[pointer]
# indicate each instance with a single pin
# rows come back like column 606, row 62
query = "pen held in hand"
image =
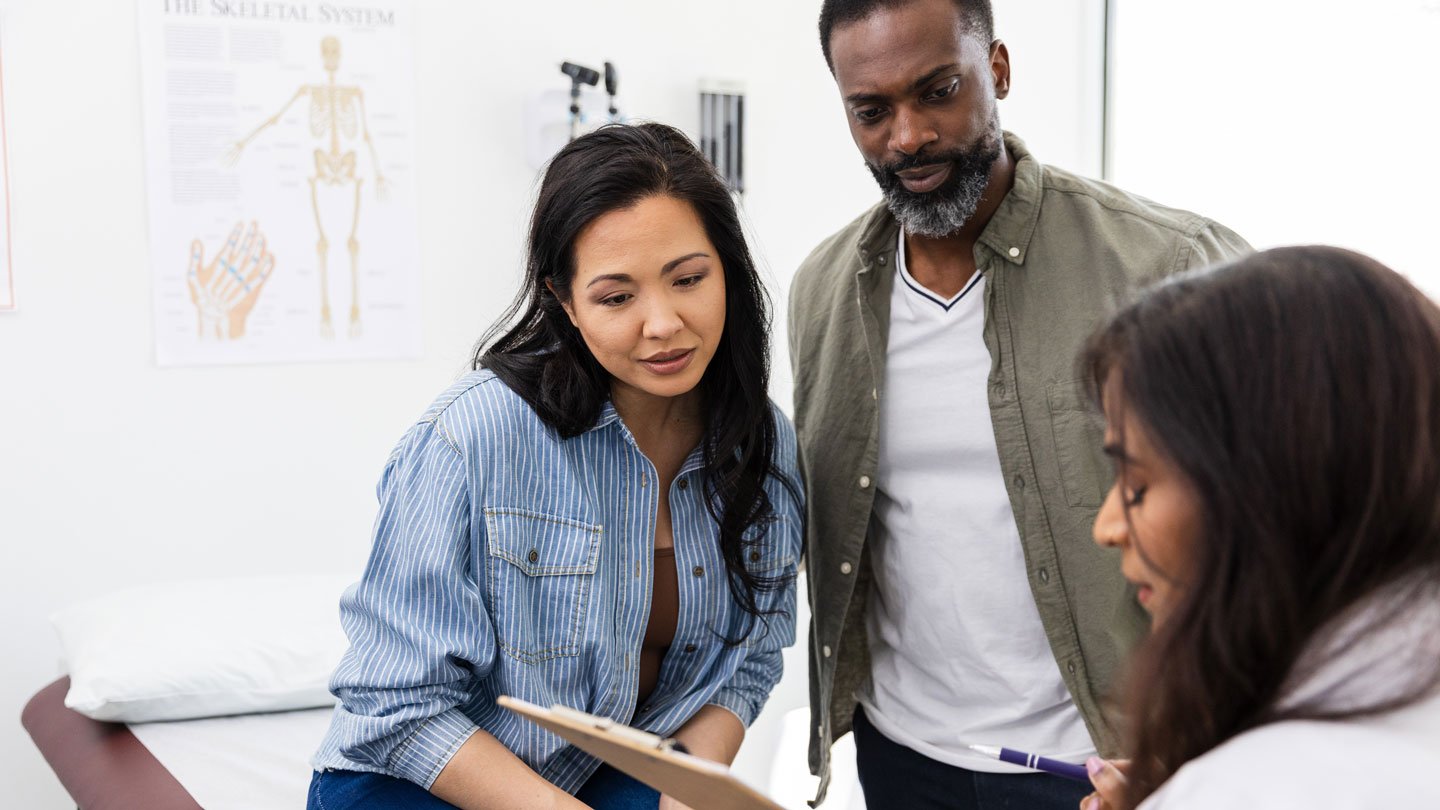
column 1068, row 770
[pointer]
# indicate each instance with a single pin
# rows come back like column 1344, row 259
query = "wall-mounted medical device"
column 579, row 75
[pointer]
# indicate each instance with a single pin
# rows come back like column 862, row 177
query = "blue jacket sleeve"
column 419, row 633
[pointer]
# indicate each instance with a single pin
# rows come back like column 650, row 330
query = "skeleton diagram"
column 337, row 112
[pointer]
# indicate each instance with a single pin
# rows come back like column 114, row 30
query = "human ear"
column 568, row 306
column 1000, row 68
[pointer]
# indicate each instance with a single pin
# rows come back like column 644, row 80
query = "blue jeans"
column 608, row 789
column 892, row 775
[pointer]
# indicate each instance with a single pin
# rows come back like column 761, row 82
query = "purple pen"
column 1069, row 770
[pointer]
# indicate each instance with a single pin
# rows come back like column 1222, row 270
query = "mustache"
column 920, row 160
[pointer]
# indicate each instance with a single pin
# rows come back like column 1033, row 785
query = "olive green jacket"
column 1060, row 254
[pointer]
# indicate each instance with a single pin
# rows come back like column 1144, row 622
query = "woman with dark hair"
column 1276, row 429
column 604, row 514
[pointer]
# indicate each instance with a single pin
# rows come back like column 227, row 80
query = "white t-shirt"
column 958, row 653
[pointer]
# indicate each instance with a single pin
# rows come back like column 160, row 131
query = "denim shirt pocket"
column 540, row 578
column 1078, row 436
column 766, row 553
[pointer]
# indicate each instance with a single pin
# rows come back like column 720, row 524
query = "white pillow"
column 192, row 649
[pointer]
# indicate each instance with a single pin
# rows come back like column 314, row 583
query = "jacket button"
column 1071, row 667
column 864, row 482
column 825, row 651
column 754, row 556
column 1044, row 575
column 683, row 484
column 1014, row 253
column 846, row 568
column 644, row 481
column 881, row 260
column 534, row 555
column 699, row 571
column 689, row 648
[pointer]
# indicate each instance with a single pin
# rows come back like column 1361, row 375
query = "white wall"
column 115, row 472
column 1291, row 121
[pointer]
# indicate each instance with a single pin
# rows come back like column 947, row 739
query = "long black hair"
column 1298, row 392
column 536, row 350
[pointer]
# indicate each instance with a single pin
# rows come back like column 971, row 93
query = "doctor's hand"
column 1108, row 777
column 667, row 803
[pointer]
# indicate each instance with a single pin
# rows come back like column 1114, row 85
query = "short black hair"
column 978, row 16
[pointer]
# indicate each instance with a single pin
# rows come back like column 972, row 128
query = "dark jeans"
column 607, row 789
column 895, row 776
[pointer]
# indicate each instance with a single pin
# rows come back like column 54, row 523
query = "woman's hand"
column 714, row 733
column 1108, row 777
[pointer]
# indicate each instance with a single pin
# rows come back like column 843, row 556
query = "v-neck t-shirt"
column 958, row 652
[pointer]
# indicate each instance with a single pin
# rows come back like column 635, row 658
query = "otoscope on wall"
column 579, row 74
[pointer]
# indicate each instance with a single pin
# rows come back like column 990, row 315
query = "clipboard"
column 654, row 760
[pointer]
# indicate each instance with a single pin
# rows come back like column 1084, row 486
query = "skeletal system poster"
column 280, row 159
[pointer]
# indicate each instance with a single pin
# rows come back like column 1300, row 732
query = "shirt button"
column 684, row 484
column 825, row 651
column 754, row 556
column 875, row 394
column 534, row 555
column 1018, row 481
column 689, row 648
column 1044, row 575
column 644, row 481
column 699, row 571
column 881, row 260
column 864, row 482
column 1014, row 253
column 1071, row 667
column 845, row 568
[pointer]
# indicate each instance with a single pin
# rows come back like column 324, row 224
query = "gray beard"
column 945, row 210
column 939, row 216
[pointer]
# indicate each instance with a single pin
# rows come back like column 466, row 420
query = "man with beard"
column 953, row 468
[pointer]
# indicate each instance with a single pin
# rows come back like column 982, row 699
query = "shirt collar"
column 608, row 415
column 1008, row 233
column 1010, row 230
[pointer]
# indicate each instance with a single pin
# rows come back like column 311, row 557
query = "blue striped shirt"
column 509, row 561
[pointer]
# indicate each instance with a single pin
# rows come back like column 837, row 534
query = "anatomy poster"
column 280, row 162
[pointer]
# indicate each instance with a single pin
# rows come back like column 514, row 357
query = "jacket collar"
column 1378, row 650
